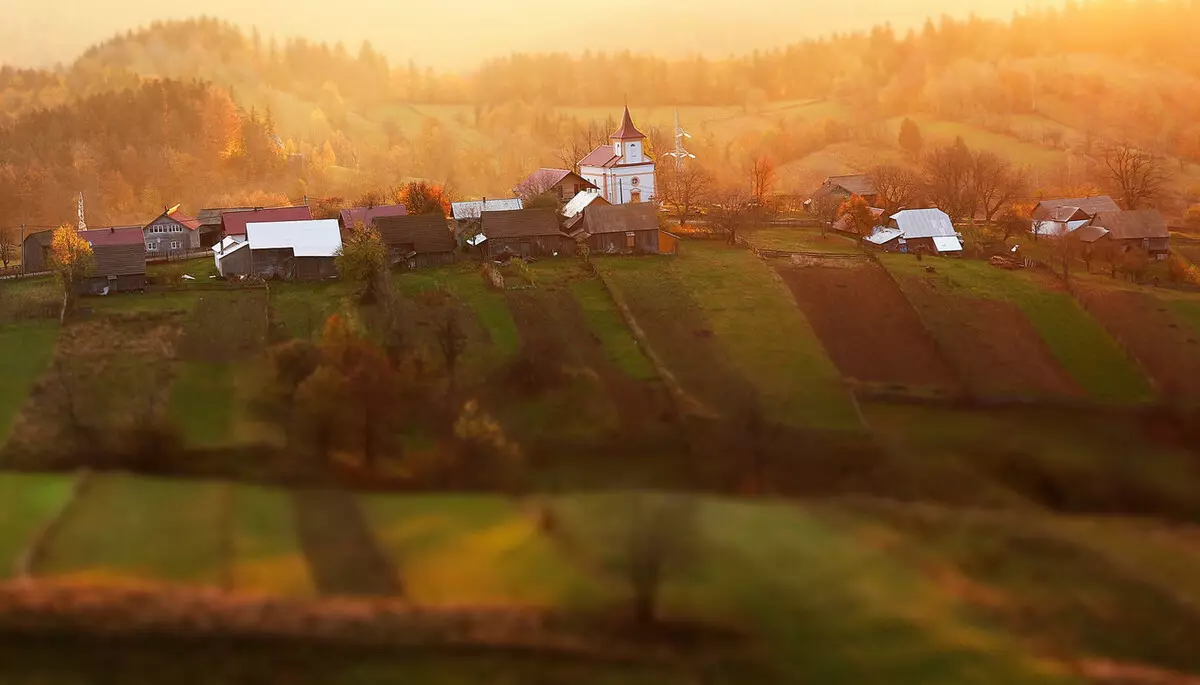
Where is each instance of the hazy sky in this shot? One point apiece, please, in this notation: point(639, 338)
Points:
point(456, 34)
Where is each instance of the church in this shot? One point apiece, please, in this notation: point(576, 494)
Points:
point(621, 170)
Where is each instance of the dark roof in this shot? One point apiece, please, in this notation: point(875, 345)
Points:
point(520, 223)
point(1133, 224)
point(366, 215)
point(40, 237)
point(426, 232)
point(119, 251)
point(114, 235)
point(855, 184)
point(212, 215)
point(601, 156)
point(235, 221)
point(1091, 205)
point(627, 131)
point(1090, 233)
point(600, 218)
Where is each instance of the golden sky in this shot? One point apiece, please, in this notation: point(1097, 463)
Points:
point(458, 34)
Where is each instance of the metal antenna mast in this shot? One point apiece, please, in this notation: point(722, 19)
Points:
point(679, 153)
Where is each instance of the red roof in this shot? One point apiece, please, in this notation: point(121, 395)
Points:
point(114, 235)
point(367, 215)
point(235, 222)
point(627, 131)
point(601, 156)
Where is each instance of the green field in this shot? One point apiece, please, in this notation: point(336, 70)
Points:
point(25, 351)
point(267, 558)
point(27, 502)
point(1079, 344)
point(801, 240)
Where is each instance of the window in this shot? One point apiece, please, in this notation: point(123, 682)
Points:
point(174, 244)
point(151, 246)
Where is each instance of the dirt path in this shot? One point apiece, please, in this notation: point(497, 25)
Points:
point(343, 554)
point(868, 327)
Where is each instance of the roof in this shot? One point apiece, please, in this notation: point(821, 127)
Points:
point(602, 156)
point(1133, 224)
point(114, 235)
point(580, 202)
point(883, 235)
point(212, 215)
point(947, 244)
point(367, 215)
point(1091, 205)
point(311, 238)
point(521, 223)
point(426, 232)
point(546, 177)
point(924, 223)
point(627, 131)
point(856, 184)
point(235, 221)
point(471, 209)
point(228, 244)
point(607, 218)
point(1090, 233)
point(190, 223)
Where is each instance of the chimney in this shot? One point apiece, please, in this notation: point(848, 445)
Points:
point(112, 229)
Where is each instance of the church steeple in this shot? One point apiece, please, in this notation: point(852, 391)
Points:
point(627, 131)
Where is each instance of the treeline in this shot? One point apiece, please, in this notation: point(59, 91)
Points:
point(139, 150)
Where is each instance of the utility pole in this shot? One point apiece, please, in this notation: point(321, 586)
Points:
point(22, 248)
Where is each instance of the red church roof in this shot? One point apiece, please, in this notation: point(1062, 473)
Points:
point(601, 156)
point(627, 131)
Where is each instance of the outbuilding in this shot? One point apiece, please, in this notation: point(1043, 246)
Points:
point(621, 229)
point(293, 250)
point(120, 260)
point(524, 233)
point(417, 241)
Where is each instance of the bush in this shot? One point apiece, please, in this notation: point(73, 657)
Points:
point(1180, 270)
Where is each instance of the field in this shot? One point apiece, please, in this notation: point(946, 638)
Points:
point(28, 501)
point(25, 350)
point(801, 240)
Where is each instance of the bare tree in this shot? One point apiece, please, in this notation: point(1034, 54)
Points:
point(825, 208)
point(762, 178)
point(947, 178)
point(1138, 176)
point(994, 183)
point(654, 537)
point(896, 187)
point(731, 212)
point(684, 188)
point(533, 186)
point(581, 140)
point(1067, 247)
point(8, 246)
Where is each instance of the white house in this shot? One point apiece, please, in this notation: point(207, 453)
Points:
point(621, 170)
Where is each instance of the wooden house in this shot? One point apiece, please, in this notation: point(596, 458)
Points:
point(563, 183)
point(928, 231)
point(467, 214)
point(417, 241)
point(622, 229)
point(524, 233)
point(293, 250)
point(1143, 229)
point(1064, 215)
point(572, 213)
point(349, 218)
point(35, 252)
point(171, 233)
point(120, 260)
point(843, 187)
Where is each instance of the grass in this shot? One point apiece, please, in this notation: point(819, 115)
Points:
point(202, 402)
point(130, 530)
point(606, 323)
point(267, 558)
point(300, 309)
point(37, 297)
point(28, 501)
point(475, 550)
point(770, 342)
point(25, 351)
point(1078, 342)
point(465, 283)
point(147, 302)
point(801, 240)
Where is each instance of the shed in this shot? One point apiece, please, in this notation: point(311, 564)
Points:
point(296, 250)
point(926, 230)
point(232, 257)
point(573, 211)
point(120, 255)
point(1138, 228)
point(886, 239)
point(466, 214)
point(524, 233)
point(35, 252)
point(564, 183)
point(417, 241)
point(621, 229)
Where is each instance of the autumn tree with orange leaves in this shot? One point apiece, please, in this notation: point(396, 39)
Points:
point(857, 213)
point(422, 197)
point(72, 260)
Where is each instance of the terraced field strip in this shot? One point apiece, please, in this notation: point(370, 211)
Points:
point(267, 557)
point(499, 338)
point(25, 351)
point(27, 502)
point(768, 339)
point(476, 550)
point(802, 239)
point(344, 557)
point(1016, 333)
point(131, 530)
point(614, 337)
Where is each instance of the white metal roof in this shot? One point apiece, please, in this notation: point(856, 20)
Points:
point(315, 238)
point(924, 223)
point(580, 202)
point(883, 235)
point(227, 244)
point(472, 208)
point(946, 244)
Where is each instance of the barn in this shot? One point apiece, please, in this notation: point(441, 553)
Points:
point(524, 233)
point(294, 250)
point(621, 229)
point(120, 260)
point(417, 241)
point(35, 252)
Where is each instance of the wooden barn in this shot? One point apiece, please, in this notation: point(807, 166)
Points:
point(417, 241)
point(120, 255)
point(35, 252)
point(293, 250)
point(622, 229)
point(524, 233)
point(349, 218)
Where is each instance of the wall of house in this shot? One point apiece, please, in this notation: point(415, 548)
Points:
point(633, 242)
point(35, 255)
point(164, 231)
point(115, 284)
point(236, 263)
point(427, 259)
point(271, 263)
point(538, 246)
point(313, 268)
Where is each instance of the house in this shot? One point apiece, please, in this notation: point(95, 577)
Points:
point(573, 212)
point(624, 229)
point(417, 241)
point(1063, 215)
point(172, 233)
point(563, 183)
point(120, 260)
point(466, 214)
point(366, 216)
point(233, 223)
point(210, 223)
point(35, 252)
point(1143, 229)
point(621, 170)
point(524, 233)
point(843, 187)
point(301, 250)
point(928, 231)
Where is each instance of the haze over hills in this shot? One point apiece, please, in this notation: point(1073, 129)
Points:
point(456, 35)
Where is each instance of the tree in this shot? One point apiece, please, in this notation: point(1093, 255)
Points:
point(762, 178)
point(1137, 176)
point(451, 338)
point(1067, 247)
point(910, 137)
point(1016, 219)
point(363, 260)
point(72, 260)
point(8, 246)
point(730, 212)
point(422, 197)
point(371, 198)
point(993, 183)
point(825, 208)
point(684, 188)
point(653, 538)
point(856, 212)
point(896, 187)
point(947, 178)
